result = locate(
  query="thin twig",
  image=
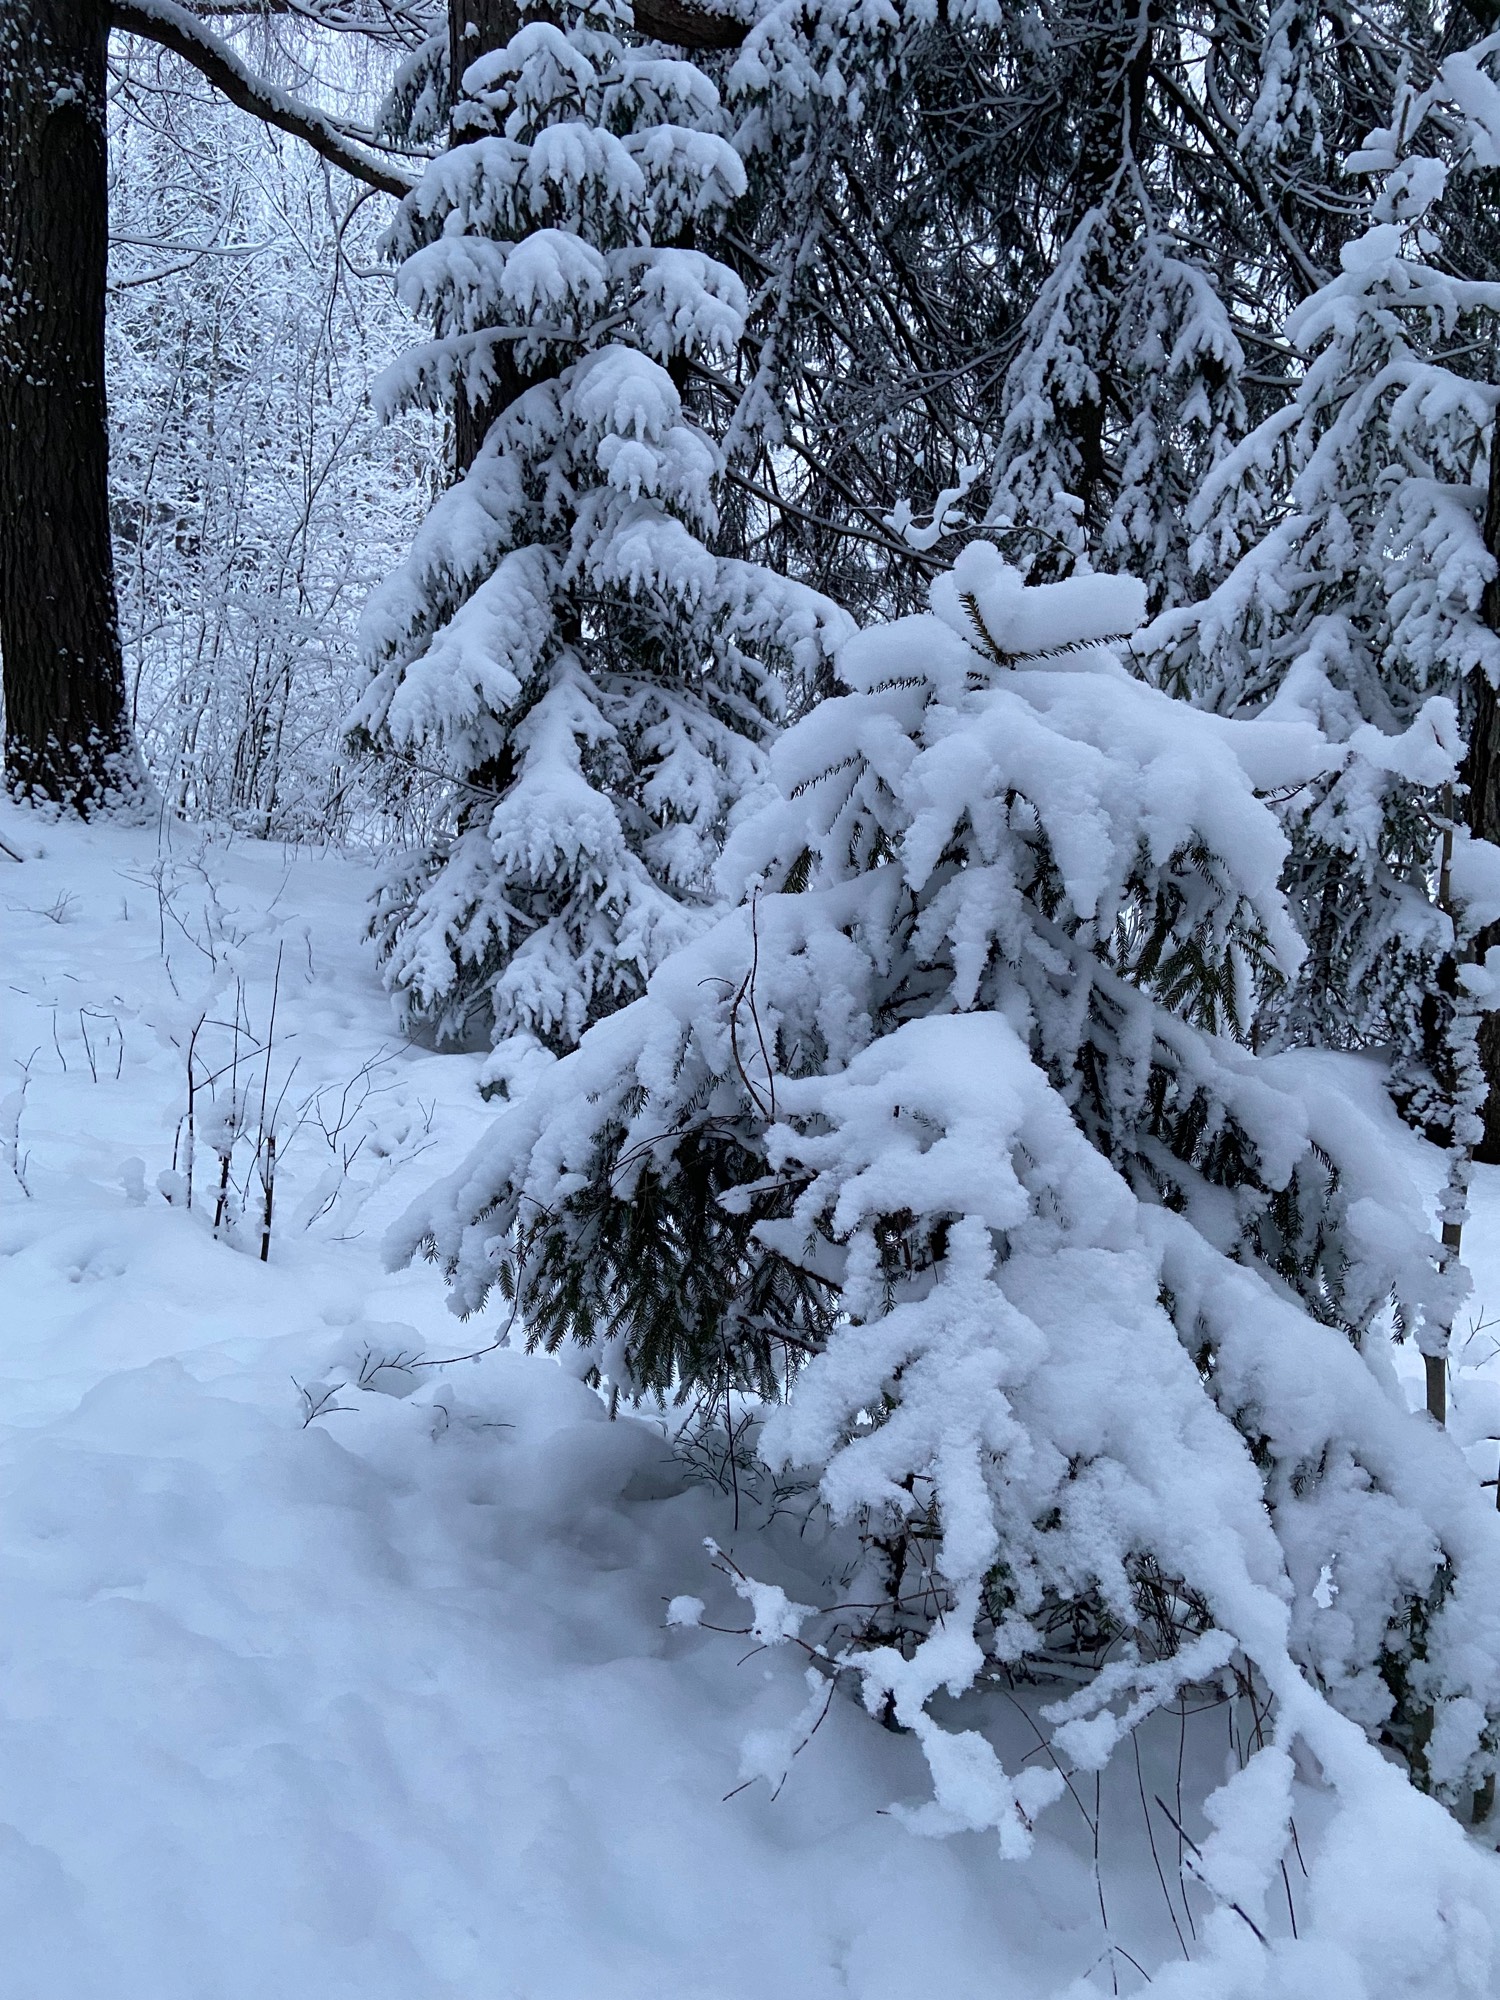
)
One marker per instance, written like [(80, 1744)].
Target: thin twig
[(1151, 1836), (1186, 1836)]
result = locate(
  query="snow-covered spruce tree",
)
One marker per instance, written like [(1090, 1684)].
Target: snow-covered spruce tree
[(1195, 212), (1360, 600), (563, 647), (1125, 390), (944, 1140)]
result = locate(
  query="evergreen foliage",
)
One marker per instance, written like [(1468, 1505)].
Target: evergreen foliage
[(1199, 205), (1359, 600), (1046, 244), (563, 646), (1072, 1301), (1050, 243)]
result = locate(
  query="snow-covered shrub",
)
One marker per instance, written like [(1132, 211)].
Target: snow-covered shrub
[(1073, 1302), (562, 643)]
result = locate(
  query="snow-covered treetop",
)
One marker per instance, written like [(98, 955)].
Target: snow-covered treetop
[(1380, 439), (1002, 694)]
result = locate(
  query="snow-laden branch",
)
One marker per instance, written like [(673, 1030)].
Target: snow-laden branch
[(174, 28), (382, 20)]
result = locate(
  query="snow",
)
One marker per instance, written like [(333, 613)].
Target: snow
[(1475, 874), (410, 1701), (1044, 618), (423, 1699)]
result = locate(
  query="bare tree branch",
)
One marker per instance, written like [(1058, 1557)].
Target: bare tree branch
[(173, 28)]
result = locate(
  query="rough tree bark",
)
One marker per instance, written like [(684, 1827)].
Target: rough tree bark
[(67, 734)]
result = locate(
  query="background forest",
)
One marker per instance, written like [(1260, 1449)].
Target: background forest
[(799, 701)]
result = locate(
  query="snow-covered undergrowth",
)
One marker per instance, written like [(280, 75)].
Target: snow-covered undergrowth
[(385, 1700)]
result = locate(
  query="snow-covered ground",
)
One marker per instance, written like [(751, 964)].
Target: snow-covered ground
[(313, 1689)]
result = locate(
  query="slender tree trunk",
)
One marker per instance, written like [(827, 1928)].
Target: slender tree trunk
[(1481, 774), (67, 734)]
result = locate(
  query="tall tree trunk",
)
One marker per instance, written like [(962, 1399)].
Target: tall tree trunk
[(1109, 131), (67, 733)]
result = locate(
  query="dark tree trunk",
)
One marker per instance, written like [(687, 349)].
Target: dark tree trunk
[(67, 734), (475, 28), (1481, 774)]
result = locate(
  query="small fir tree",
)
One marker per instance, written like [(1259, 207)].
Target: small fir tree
[(947, 1141), (563, 648), (1359, 600)]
